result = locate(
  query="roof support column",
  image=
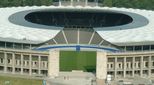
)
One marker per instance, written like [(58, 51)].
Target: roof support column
[(71, 2), (86, 2)]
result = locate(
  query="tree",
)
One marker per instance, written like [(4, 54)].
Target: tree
[(107, 3), (46, 2)]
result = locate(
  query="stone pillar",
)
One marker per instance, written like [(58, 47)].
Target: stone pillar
[(30, 64), (149, 67), (101, 68), (124, 67), (115, 67), (133, 66), (39, 71), (22, 59), (5, 62), (13, 63), (53, 63), (141, 66)]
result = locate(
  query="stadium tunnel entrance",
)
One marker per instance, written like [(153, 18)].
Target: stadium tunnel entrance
[(66, 61)]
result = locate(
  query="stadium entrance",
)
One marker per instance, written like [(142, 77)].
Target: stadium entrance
[(78, 61), (87, 61)]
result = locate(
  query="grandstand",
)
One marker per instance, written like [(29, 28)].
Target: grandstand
[(46, 40)]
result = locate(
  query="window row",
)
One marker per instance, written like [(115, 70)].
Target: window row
[(17, 45)]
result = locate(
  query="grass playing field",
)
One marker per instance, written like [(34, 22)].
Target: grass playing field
[(18, 81), (78, 60)]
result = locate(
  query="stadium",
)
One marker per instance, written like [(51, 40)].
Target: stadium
[(47, 40)]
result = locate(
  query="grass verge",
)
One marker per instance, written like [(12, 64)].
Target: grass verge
[(18, 81)]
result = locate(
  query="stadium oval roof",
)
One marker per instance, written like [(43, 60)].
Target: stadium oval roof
[(17, 29)]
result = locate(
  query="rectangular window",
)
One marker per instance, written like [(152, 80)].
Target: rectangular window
[(138, 48), (129, 48), (146, 47), (152, 47)]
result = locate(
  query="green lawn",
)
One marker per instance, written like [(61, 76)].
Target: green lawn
[(18, 81), (78, 60)]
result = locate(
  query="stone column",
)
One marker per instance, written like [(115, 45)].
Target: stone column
[(115, 67), (53, 63), (149, 66), (124, 67), (101, 68), (5, 62), (39, 71), (30, 64), (141, 66), (133, 66), (13, 63), (22, 59)]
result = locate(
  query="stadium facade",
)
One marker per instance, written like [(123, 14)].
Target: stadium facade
[(31, 39)]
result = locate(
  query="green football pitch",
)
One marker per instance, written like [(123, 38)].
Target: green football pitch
[(5, 80), (78, 60)]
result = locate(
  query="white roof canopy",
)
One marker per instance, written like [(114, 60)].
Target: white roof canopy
[(36, 33)]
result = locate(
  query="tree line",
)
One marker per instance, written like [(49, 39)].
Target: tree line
[(10, 3), (141, 4)]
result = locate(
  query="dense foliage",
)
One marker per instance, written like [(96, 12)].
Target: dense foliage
[(141, 4), (9, 3)]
